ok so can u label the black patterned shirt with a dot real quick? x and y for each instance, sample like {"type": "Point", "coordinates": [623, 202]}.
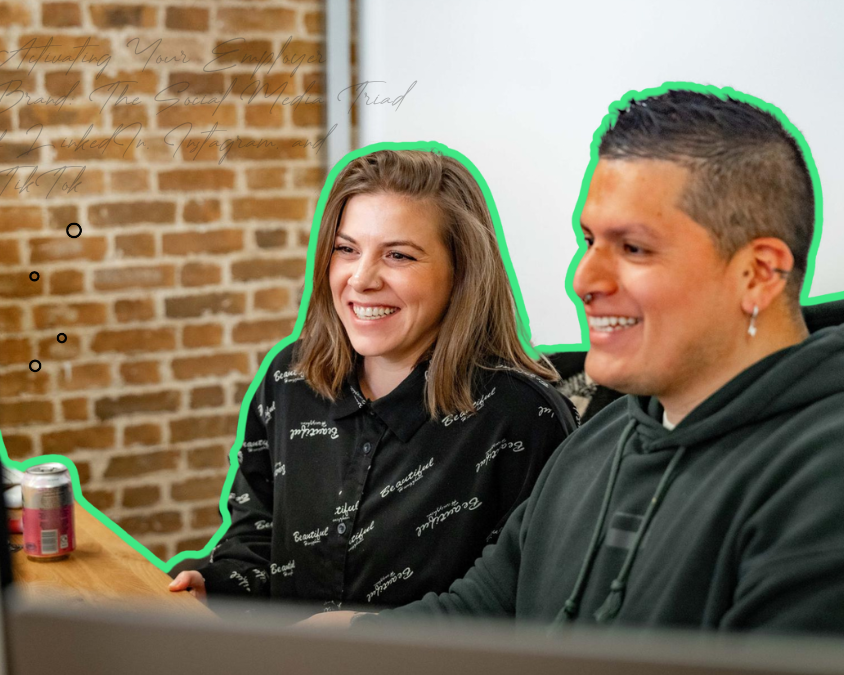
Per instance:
{"type": "Point", "coordinates": [372, 502]}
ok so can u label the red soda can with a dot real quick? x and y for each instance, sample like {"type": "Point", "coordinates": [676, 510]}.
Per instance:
{"type": "Point", "coordinates": [48, 527]}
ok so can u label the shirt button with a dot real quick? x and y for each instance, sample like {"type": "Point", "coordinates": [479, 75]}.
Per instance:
{"type": "Point", "coordinates": [341, 528]}
{"type": "Point", "coordinates": [367, 448]}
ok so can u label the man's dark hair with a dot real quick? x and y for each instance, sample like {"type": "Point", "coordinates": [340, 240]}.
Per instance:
{"type": "Point", "coordinates": [748, 176]}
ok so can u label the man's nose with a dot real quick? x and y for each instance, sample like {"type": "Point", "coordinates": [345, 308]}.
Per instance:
{"type": "Point", "coordinates": [367, 275]}
{"type": "Point", "coordinates": [595, 274]}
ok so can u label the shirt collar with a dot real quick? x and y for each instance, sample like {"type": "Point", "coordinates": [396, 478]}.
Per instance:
{"type": "Point", "coordinates": [402, 410]}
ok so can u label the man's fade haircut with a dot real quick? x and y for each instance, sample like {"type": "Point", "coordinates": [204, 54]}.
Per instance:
{"type": "Point", "coordinates": [748, 177]}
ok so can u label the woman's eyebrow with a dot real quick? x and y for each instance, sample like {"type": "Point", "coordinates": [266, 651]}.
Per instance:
{"type": "Point", "coordinates": [403, 242]}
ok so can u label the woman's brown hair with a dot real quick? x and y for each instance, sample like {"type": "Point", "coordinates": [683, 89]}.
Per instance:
{"type": "Point", "coordinates": [480, 327]}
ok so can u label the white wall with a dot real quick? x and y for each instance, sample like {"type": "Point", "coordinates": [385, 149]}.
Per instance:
{"type": "Point", "coordinates": [519, 87]}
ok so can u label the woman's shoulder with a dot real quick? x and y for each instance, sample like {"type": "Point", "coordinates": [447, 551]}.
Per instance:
{"type": "Point", "coordinates": [520, 390]}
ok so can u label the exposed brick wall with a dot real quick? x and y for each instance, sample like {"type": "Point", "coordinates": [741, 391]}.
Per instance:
{"type": "Point", "coordinates": [190, 265]}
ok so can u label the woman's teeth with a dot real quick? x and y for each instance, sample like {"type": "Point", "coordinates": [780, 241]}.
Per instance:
{"type": "Point", "coordinates": [373, 312]}
{"type": "Point", "coordinates": [607, 324]}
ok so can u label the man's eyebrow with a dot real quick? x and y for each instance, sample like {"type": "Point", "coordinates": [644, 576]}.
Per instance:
{"type": "Point", "coordinates": [620, 231]}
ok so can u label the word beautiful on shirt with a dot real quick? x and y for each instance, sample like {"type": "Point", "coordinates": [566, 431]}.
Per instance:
{"type": "Point", "coordinates": [313, 428]}
{"type": "Point", "coordinates": [463, 416]}
{"type": "Point", "coordinates": [410, 479]}
{"type": "Point", "coordinates": [498, 446]}
{"type": "Point", "coordinates": [388, 580]}
{"type": "Point", "coordinates": [285, 570]}
{"type": "Point", "coordinates": [445, 512]}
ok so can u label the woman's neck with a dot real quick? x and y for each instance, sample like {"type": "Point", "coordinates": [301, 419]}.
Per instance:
{"type": "Point", "coordinates": [379, 377]}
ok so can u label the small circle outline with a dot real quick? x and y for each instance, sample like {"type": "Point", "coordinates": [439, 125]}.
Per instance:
{"type": "Point", "coordinates": [34, 370]}
{"type": "Point", "coordinates": [67, 230]}
{"type": "Point", "coordinates": [37, 276]}
{"type": "Point", "coordinates": [59, 336]}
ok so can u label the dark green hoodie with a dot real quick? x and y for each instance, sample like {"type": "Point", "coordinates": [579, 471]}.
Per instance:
{"type": "Point", "coordinates": [749, 533]}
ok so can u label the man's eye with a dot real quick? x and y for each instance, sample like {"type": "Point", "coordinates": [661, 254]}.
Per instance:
{"type": "Point", "coordinates": [589, 241]}
{"type": "Point", "coordinates": [632, 248]}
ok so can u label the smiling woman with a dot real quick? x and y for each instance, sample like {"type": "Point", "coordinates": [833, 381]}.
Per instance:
{"type": "Point", "coordinates": [389, 445]}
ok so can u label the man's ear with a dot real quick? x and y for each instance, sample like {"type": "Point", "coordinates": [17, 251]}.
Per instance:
{"type": "Point", "coordinates": [766, 263]}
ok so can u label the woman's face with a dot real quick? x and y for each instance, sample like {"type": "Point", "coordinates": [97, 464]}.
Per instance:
{"type": "Point", "coordinates": [390, 276]}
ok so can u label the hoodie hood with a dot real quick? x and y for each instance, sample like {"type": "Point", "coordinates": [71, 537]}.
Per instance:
{"type": "Point", "coordinates": [789, 379]}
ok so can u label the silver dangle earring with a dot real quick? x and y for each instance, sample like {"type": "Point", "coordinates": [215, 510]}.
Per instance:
{"type": "Point", "coordinates": [751, 329]}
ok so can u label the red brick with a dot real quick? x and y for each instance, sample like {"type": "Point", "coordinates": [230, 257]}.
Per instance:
{"type": "Point", "coordinates": [263, 268]}
{"type": "Point", "coordinates": [14, 413]}
{"type": "Point", "coordinates": [66, 282]}
{"type": "Point", "coordinates": [67, 440]}
{"type": "Point", "coordinates": [10, 153]}
{"type": "Point", "coordinates": [207, 397]}
{"type": "Point", "coordinates": [196, 179]}
{"type": "Point", "coordinates": [129, 404]}
{"type": "Point", "coordinates": [120, 278]}
{"type": "Point", "coordinates": [235, 20]}
{"type": "Point", "coordinates": [18, 285]}
{"type": "Point", "coordinates": [272, 299]}
{"type": "Point", "coordinates": [246, 53]}
{"type": "Point", "coordinates": [265, 330]}
{"type": "Point", "coordinates": [11, 319]}
{"type": "Point", "coordinates": [201, 274]}
{"type": "Point", "coordinates": [143, 495]}
{"type": "Point", "coordinates": [85, 376]}
{"type": "Point", "coordinates": [15, 218]}
{"type": "Point", "coordinates": [137, 340]}
{"type": "Point", "coordinates": [142, 81]}
{"type": "Point", "coordinates": [135, 245]}
{"type": "Point", "coordinates": [210, 426]}
{"type": "Point", "coordinates": [276, 238]}
{"type": "Point", "coordinates": [140, 372]}
{"type": "Point", "coordinates": [310, 177]}
{"type": "Point", "coordinates": [60, 83]}
{"type": "Point", "coordinates": [166, 521]}
{"type": "Point", "coordinates": [54, 116]}
{"type": "Point", "coordinates": [204, 335]}
{"type": "Point", "coordinates": [18, 446]}
{"type": "Point", "coordinates": [213, 241]}
{"type": "Point", "coordinates": [59, 217]}
{"type": "Point", "coordinates": [67, 315]}
{"type": "Point", "coordinates": [160, 551]}
{"type": "Point", "coordinates": [65, 248]}
{"type": "Point", "coordinates": [311, 115]}
{"type": "Point", "coordinates": [131, 180]}
{"type": "Point", "coordinates": [15, 351]}
{"type": "Point", "coordinates": [84, 471]}
{"type": "Point", "coordinates": [170, 116]}
{"type": "Point", "coordinates": [9, 252]}
{"type": "Point", "coordinates": [218, 365]}
{"type": "Point", "coordinates": [61, 14]}
{"type": "Point", "coordinates": [315, 23]}
{"type": "Point", "coordinates": [265, 115]}
{"type": "Point", "coordinates": [134, 465]}
{"type": "Point", "coordinates": [132, 115]}
{"type": "Point", "coordinates": [260, 87]}
{"type": "Point", "coordinates": [14, 13]}
{"type": "Point", "coordinates": [255, 149]}
{"type": "Point", "coordinates": [127, 311]}
{"type": "Point", "coordinates": [51, 350]}
{"type": "Point", "coordinates": [205, 516]}
{"type": "Point", "coordinates": [194, 489]}
{"type": "Point", "coordinates": [210, 303]}
{"type": "Point", "coordinates": [187, 18]}
{"type": "Point", "coordinates": [208, 457]}
{"type": "Point", "coordinates": [101, 499]}
{"type": "Point", "coordinates": [14, 383]}
{"type": "Point", "coordinates": [282, 208]}
{"type": "Point", "coordinates": [119, 16]}
{"type": "Point", "coordinates": [266, 178]}
{"type": "Point", "coordinates": [130, 213]}
{"type": "Point", "coordinates": [77, 150]}
{"type": "Point", "coordinates": [191, 85]}
{"type": "Point", "coordinates": [192, 544]}
{"type": "Point", "coordinates": [201, 211]}
{"type": "Point", "coordinates": [142, 434]}
{"type": "Point", "coordinates": [75, 409]}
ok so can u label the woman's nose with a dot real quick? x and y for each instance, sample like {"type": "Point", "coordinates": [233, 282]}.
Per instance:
{"type": "Point", "coordinates": [366, 276]}
{"type": "Point", "coordinates": [595, 274]}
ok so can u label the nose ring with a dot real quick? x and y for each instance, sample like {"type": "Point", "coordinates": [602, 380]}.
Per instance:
{"type": "Point", "coordinates": [587, 298]}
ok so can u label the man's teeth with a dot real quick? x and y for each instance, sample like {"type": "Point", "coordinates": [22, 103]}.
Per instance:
{"type": "Point", "coordinates": [607, 324]}
{"type": "Point", "coordinates": [373, 312]}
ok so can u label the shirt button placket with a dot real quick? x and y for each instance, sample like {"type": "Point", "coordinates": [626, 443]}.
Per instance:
{"type": "Point", "coordinates": [341, 528]}
{"type": "Point", "coordinates": [367, 448]}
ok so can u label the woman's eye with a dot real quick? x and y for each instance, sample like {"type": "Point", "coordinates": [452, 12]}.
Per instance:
{"type": "Point", "coordinates": [343, 249]}
{"type": "Point", "coordinates": [395, 255]}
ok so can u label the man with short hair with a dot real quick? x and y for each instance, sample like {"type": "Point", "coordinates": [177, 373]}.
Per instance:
{"type": "Point", "coordinates": [712, 495]}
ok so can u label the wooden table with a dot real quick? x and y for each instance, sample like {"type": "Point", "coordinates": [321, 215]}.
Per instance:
{"type": "Point", "coordinates": [103, 569]}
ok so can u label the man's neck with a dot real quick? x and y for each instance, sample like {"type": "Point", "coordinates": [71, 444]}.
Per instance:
{"type": "Point", "coordinates": [678, 405]}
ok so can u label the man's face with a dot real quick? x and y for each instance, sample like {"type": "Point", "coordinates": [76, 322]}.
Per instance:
{"type": "Point", "coordinates": [665, 312]}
